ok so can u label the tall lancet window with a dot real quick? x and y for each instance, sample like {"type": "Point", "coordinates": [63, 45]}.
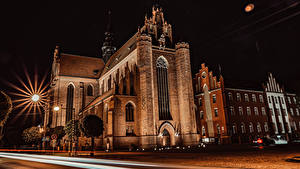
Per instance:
{"type": "Point", "coordinates": [70, 98]}
{"type": "Point", "coordinates": [163, 89]}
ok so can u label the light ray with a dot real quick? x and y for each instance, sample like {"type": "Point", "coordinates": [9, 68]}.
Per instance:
{"type": "Point", "coordinates": [28, 79]}
{"type": "Point", "coordinates": [18, 94]}
{"type": "Point", "coordinates": [22, 82]}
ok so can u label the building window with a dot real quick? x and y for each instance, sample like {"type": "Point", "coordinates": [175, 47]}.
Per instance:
{"type": "Point", "coordinates": [199, 84]}
{"type": "Point", "coordinates": [129, 112]}
{"type": "Point", "coordinates": [232, 110]}
{"type": "Point", "coordinates": [218, 129]}
{"type": "Point", "coordinates": [253, 97]}
{"type": "Point", "coordinates": [261, 98]}
{"type": "Point", "coordinates": [243, 128]}
{"type": "Point", "coordinates": [163, 89]}
{"type": "Point", "coordinates": [263, 111]}
{"type": "Point", "coordinates": [295, 101]}
{"type": "Point", "coordinates": [241, 111]}
{"type": "Point", "coordinates": [238, 97]}
{"type": "Point", "coordinates": [299, 124]}
{"type": "Point", "coordinates": [214, 98]}
{"type": "Point", "coordinates": [216, 112]}
{"type": "Point", "coordinates": [282, 100]}
{"type": "Point", "coordinates": [246, 98]}
{"type": "Point", "coordinates": [277, 112]}
{"type": "Point", "coordinates": [70, 98]}
{"type": "Point", "coordinates": [294, 125]}
{"type": "Point", "coordinates": [258, 128]}
{"type": "Point", "coordinates": [269, 98]}
{"type": "Point", "coordinates": [284, 112]}
{"type": "Point", "coordinates": [230, 96]}
{"type": "Point", "coordinates": [233, 129]}
{"type": "Point", "coordinates": [200, 101]}
{"type": "Point", "coordinates": [297, 112]}
{"type": "Point", "coordinates": [248, 111]}
{"type": "Point", "coordinates": [276, 100]}
{"type": "Point", "coordinates": [266, 127]}
{"type": "Point", "coordinates": [256, 111]}
{"type": "Point", "coordinates": [271, 112]}
{"type": "Point", "coordinates": [201, 115]}
{"type": "Point", "coordinates": [90, 90]}
{"type": "Point", "coordinates": [251, 128]}
{"type": "Point", "coordinates": [203, 131]}
{"type": "Point", "coordinates": [129, 131]}
{"type": "Point", "coordinates": [292, 112]}
{"type": "Point", "coordinates": [289, 100]}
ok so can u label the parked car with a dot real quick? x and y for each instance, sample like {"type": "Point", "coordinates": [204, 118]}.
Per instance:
{"type": "Point", "coordinates": [279, 139]}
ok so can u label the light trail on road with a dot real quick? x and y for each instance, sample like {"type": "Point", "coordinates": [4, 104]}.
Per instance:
{"type": "Point", "coordinates": [91, 163]}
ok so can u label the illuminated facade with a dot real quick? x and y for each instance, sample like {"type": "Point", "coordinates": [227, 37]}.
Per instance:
{"type": "Point", "coordinates": [142, 91]}
{"type": "Point", "coordinates": [242, 115]}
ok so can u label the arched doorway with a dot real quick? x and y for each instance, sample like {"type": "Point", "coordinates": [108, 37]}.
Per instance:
{"type": "Point", "coordinates": [166, 141]}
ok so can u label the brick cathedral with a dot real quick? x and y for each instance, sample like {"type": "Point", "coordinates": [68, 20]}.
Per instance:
{"type": "Point", "coordinates": [145, 94]}
{"type": "Point", "coordinates": [143, 91]}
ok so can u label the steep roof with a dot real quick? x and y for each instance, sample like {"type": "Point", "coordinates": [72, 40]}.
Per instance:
{"type": "Point", "coordinates": [80, 66]}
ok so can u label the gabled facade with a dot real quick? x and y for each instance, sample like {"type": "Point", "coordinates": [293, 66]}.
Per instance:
{"type": "Point", "coordinates": [143, 92]}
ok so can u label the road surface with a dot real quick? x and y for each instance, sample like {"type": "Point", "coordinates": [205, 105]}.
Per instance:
{"type": "Point", "coordinates": [31, 161]}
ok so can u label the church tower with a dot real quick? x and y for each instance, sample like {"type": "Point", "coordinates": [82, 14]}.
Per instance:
{"type": "Point", "coordinates": [107, 48]}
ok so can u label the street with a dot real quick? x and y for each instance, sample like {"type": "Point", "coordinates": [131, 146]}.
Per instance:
{"type": "Point", "coordinates": [226, 156]}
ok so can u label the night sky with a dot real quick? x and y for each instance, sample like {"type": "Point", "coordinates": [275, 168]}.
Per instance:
{"type": "Point", "coordinates": [246, 45]}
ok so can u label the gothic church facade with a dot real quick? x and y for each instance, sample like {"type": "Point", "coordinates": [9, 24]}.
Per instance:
{"type": "Point", "coordinates": [143, 91]}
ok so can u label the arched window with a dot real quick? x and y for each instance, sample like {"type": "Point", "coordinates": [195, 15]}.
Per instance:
{"type": "Point", "coordinates": [129, 112]}
{"type": "Point", "coordinates": [258, 128]}
{"type": "Point", "coordinates": [251, 128]}
{"type": "Point", "coordinates": [163, 89]}
{"type": "Point", "coordinates": [70, 98]}
{"type": "Point", "coordinates": [90, 91]}
{"type": "Point", "coordinates": [203, 131]}
{"type": "Point", "coordinates": [243, 128]}
{"type": "Point", "coordinates": [218, 129]}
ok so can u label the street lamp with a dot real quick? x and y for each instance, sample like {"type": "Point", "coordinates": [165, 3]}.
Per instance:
{"type": "Point", "coordinates": [35, 98]}
{"type": "Point", "coordinates": [249, 7]}
{"type": "Point", "coordinates": [56, 108]}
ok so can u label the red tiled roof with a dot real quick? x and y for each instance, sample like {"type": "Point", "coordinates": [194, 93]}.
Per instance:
{"type": "Point", "coordinates": [80, 66]}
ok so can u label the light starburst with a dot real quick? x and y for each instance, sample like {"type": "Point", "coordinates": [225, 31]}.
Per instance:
{"type": "Point", "coordinates": [31, 96]}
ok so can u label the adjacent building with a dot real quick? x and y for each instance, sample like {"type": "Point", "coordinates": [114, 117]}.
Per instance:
{"type": "Point", "coordinates": [242, 115]}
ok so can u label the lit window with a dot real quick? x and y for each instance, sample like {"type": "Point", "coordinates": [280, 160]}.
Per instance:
{"type": "Point", "coordinates": [218, 129]}
{"type": "Point", "coordinates": [230, 96]}
{"type": "Point", "coordinates": [292, 112]}
{"type": "Point", "coordinates": [243, 128]}
{"type": "Point", "coordinates": [248, 111]}
{"type": "Point", "coordinates": [216, 113]}
{"type": "Point", "coordinates": [233, 129]}
{"type": "Point", "coordinates": [253, 97]}
{"type": "Point", "coordinates": [261, 98]}
{"type": "Point", "coordinates": [251, 128]}
{"type": "Point", "coordinates": [238, 97]}
{"type": "Point", "coordinates": [232, 110]}
{"type": "Point", "coordinates": [201, 115]}
{"type": "Point", "coordinates": [263, 111]}
{"type": "Point", "coordinates": [294, 125]}
{"type": "Point", "coordinates": [258, 128]}
{"type": "Point", "coordinates": [240, 110]}
{"type": "Point", "coordinates": [214, 98]}
{"type": "Point", "coordinates": [256, 111]}
{"type": "Point", "coordinates": [246, 98]}
{"type": "Point", "coordinates": [203, 131]}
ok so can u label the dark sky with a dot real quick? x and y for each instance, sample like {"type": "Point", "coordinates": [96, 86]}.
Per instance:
{"type": "Point", "coordinates": [246, 45]}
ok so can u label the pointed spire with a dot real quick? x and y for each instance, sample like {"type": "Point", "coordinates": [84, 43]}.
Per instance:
{"type": "Point", "coordinates": [107, 48]}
